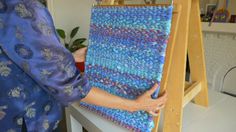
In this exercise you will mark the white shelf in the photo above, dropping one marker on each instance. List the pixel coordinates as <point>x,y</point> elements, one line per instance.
<point>219,27</point>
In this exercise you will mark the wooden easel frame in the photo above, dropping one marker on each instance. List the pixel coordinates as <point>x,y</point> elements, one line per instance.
<point>186,37</point>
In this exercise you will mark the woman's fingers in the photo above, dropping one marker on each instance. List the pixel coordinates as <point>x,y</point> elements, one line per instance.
<point>147,103</point>
<point>154,113</point>
<point>157,104</point>
<point>163,97</point>
<point>160,107</point>
<point>157,107</point>
<point>153,89</point>
<point>159,100</point>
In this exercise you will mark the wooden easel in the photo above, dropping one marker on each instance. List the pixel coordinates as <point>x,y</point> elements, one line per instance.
<point>186,37</point>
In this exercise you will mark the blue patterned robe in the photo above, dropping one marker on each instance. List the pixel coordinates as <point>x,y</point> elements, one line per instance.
<point>37,74</point>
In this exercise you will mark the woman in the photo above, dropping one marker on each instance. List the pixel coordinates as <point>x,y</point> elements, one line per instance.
<point>38,75</point>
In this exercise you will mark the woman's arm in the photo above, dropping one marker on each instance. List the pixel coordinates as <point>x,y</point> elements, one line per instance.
<point>99,97</point>
<point>144,102</point>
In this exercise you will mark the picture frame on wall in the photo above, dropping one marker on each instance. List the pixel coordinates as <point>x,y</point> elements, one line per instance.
<point>210,9</point>
<point>209,12</point>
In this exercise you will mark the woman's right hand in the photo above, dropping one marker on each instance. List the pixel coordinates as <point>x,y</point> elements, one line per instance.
<point>147,103</point>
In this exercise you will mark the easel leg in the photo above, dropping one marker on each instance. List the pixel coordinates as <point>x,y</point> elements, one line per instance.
<point>156,120</point>
<point>173,112</point>
<point>196,54</point>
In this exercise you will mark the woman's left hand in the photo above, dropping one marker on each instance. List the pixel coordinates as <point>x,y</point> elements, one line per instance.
<point>80,55</point>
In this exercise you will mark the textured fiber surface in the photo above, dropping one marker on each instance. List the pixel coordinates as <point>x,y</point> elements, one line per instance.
<point>126,55</point>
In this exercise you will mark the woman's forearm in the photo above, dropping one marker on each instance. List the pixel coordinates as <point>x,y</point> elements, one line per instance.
<point>102,98</point>
<point>144,102</point>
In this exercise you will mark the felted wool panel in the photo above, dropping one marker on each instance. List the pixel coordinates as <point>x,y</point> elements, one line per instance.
<point>126,55</point>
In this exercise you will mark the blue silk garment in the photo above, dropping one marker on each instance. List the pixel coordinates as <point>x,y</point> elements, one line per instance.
<point>38,75</point>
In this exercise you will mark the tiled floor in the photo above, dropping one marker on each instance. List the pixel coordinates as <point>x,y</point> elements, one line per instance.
<point>220,116</point>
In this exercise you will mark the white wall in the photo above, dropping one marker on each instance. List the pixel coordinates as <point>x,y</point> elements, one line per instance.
<point>220,52</point>
<point>68,14</point>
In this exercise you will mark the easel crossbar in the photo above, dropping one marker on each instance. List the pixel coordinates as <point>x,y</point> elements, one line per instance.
<point>191,91</point>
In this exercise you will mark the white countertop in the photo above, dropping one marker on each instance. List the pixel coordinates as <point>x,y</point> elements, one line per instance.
<point>218,117</point>
<point>219,27</point>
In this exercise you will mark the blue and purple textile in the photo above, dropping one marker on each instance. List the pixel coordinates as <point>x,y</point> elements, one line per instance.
<point>126,55</point>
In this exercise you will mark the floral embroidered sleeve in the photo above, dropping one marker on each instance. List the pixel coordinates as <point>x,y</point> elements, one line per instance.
<point>38,51</point>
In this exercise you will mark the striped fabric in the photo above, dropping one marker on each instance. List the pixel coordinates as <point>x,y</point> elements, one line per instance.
<point>126,54</point>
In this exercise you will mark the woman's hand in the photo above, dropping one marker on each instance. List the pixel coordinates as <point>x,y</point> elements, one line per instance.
<point>145,102</point>
<point>153,106</point>
<point>80,54</point>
